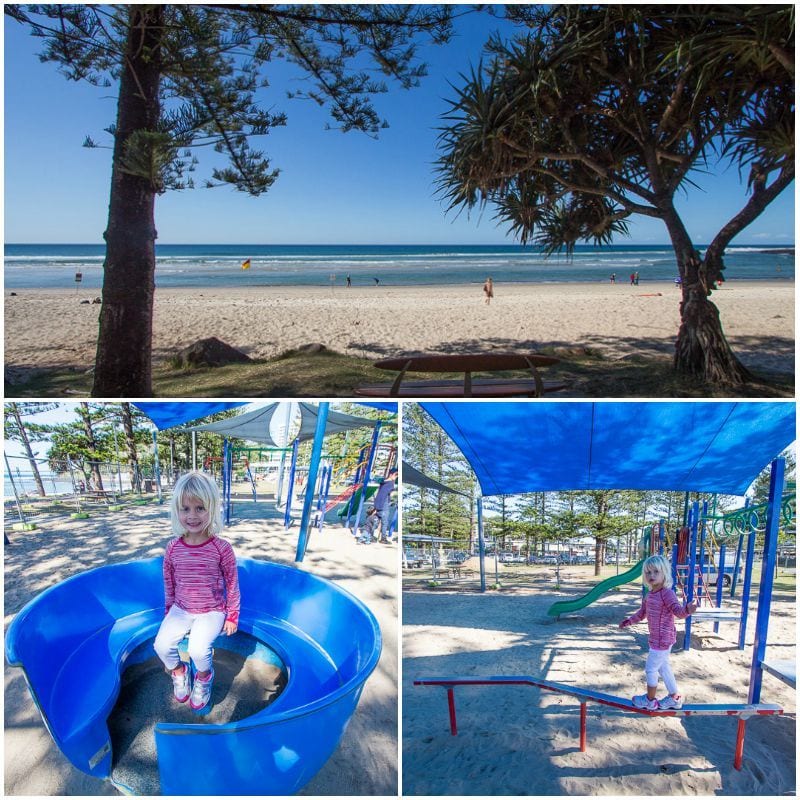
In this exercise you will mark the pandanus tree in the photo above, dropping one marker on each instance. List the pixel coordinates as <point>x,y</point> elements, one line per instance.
<point>598,113</point>
<point>188,77</point>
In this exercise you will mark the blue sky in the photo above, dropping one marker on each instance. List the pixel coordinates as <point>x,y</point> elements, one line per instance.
<point>334,188</point>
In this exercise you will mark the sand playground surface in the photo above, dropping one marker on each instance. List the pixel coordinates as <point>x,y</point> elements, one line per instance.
<point>520,740</point>
<point>58,329</point>
<point>365,762</point>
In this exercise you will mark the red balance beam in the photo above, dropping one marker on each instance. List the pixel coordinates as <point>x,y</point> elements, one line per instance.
<point>742,711</point>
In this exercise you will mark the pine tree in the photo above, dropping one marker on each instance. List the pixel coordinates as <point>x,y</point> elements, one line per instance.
<point>186,77</point>
<point>17,430</point>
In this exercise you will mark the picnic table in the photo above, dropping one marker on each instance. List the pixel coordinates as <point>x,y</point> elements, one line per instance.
<point>498,386</point>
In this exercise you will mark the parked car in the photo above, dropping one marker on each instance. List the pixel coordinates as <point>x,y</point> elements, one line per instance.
<point>413,559</point>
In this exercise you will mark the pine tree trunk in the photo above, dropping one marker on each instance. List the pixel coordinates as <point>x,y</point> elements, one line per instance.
<point>123,361</point>
<point>23,437</point>
<point>130,445</point>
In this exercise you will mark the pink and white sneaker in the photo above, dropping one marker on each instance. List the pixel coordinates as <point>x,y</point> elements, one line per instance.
<point>201,693</point>
<point>670,701</point>
<point>182,684</point>
<point>644,702</point>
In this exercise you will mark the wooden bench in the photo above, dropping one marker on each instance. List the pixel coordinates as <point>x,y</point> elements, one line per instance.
<point>532,386</point>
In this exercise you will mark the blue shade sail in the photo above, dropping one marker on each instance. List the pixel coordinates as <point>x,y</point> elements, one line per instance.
<point>169,415</point>
<point>679,446</point>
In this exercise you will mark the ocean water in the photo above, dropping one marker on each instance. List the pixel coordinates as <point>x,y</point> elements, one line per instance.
<point>55,266</point>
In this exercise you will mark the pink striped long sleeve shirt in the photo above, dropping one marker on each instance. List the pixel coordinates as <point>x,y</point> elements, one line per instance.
<point>660,608</point>
<point>202,577</point>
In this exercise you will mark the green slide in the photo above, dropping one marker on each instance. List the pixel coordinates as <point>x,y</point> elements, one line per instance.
<point>565,606</point>
<point>357,495</point>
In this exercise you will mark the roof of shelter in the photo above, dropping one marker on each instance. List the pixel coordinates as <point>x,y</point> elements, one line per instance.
<point>416,478</point>
<point>267,426</point>
<point>680,446</point>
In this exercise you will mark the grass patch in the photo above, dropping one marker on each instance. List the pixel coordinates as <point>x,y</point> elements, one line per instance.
<point>330,374</point>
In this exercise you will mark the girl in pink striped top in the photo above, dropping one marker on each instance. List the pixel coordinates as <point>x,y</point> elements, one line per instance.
<point>660,607</point>
<point>201,588</point>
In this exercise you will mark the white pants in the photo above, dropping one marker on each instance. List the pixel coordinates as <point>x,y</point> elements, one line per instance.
<point>202,630</point>
<point>658,664</point>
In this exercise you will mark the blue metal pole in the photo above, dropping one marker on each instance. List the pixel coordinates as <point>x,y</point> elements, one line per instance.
<point>693,522</point>
<point>362,453</point>
<point>739,548</point>
<point>675,564</point>
<point>313,471</point>
<point>481,545</point>
<point>322,495</point>
<point>373,450</point>
<point>661,536</point>
<point>227,468</point>
<point>287,516</point>
<point>767,578</point>
<point>720,581</point>
<point>279,488</point>
<point>157,467</point>
<point>748,581</point>
<point>703,574</point>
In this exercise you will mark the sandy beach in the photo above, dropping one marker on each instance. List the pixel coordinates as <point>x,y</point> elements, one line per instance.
<point>57,329</point>
<point>365,762</point>
<point>519,740</point>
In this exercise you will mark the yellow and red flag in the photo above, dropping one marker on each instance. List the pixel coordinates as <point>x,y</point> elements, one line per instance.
<point>246,264</point>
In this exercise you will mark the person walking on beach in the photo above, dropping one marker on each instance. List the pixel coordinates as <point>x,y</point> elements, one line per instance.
<point>488,290</point>
<point>201,589</point>
<point>349,282</point>
<point>660,607</point>
<point>383,506</point>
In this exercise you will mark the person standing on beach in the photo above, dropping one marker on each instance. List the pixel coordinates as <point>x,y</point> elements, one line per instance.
<point>201,589</point>
<point>660,607</point>
<point>349,282</point>
<point>488,290</point>
<point>383,506</point>
<point>613,277</point>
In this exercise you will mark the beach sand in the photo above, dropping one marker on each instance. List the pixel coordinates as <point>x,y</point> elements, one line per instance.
<point>516,740</point>
<point>365,762</point>
<point>55,329</point>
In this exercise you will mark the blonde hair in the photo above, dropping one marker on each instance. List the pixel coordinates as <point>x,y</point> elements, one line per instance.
<point>203,487</point>
<point>662,565</point>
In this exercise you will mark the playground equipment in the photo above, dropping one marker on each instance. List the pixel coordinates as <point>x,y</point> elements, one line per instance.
<point>99,622</point>
<point>742,712</point>
<point>701,447</point>
<point>567,606</point>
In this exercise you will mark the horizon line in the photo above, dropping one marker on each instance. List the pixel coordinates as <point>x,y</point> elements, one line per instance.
<point>769,245</point>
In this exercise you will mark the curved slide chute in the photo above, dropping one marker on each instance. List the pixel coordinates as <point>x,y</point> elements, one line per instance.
<point>565,606</point>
